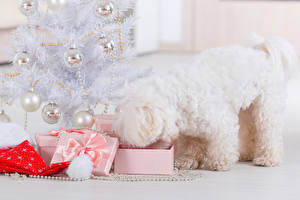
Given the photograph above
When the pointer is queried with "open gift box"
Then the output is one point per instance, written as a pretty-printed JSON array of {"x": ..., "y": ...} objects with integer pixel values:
[{"x": 153, "y": 160}]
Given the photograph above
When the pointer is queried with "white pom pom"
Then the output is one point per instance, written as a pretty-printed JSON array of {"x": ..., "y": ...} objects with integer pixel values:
[
  {"x": 11, "y": 135},
  {"x": 81, "y": 167}
]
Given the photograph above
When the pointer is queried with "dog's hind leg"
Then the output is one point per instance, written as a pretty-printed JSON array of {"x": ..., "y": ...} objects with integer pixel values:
[{"x": 268, "y": 112}]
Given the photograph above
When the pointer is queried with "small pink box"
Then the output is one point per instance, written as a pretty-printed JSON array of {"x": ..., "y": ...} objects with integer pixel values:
[
  {"x": 144, "y": 161},
  {"x": 105, "y": 147},
  {"x": 104, "y": 123}
]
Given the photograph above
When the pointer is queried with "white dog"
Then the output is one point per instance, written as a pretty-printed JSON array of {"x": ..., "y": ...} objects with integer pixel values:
[{"x": 226, "y": 105}]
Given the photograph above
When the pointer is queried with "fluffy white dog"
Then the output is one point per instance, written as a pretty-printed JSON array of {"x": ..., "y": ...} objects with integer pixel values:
[{"x": 226, "y": 105}]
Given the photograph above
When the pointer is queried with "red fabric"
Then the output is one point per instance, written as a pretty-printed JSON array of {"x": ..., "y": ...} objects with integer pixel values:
[{"x": 24, "y": 159}]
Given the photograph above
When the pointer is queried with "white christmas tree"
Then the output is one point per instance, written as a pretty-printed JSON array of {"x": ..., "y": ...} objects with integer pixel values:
[{"x": 70, "y": 57}]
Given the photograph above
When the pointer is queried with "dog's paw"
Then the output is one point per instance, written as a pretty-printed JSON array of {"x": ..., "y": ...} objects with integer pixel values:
[
  {"x": 218, "y": 165},
  {"x": 186, "y": 163},
  {"x": 267, "y": 161},
  {"x": 221, "y": 162},
  {"x": 268, "y": 158}
]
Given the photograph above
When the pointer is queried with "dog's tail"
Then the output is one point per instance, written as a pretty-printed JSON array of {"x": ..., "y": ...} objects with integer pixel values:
[{"x": 281, "y": 52}]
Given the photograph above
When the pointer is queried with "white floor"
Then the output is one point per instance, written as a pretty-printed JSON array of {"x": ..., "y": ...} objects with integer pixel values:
[{"x": 243, "y": 182}]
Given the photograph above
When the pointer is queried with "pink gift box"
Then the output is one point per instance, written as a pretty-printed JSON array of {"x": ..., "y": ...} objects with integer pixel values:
[
  {"x": 106, "y": 149},
  {"x": 104, "y": 123},
  {"x": 151, "y": 161}
]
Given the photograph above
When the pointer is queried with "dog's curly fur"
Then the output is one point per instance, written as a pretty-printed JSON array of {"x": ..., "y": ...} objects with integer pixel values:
[{"x": 226, "y": 105}]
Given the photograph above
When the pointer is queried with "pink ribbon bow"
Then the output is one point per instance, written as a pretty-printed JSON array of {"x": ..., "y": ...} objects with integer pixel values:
[{"x": 92, "y": 144}]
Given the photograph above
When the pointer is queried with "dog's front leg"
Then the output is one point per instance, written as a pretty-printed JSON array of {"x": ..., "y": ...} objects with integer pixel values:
[
  {"x": 190, "y": 151},
  {"x": 222, "y": 142}
]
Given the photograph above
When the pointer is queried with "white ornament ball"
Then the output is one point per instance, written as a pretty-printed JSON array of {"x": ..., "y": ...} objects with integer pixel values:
[
  {"x": 4, "y": 117},
  {"x": 28, "y": 7},
  {"x": 51, "y": 113},
  {"x": 83, "y": 119},
  {"x": 104, "y": 8},
  {"x": 30, "y": 101},
  {"x": 73, "y": 58},
  {"x": 22, "y": 59},
  {"x": 56, "y": 4}
]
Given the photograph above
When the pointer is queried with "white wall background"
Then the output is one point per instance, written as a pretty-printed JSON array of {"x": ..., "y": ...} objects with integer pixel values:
[
  {"x": 159, "y": 22},
  {"x": 147, "y": 27},
  {"x": 171, "y": 16}
]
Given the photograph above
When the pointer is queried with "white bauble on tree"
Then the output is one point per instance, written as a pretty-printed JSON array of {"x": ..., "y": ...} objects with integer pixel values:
[
  {"x": 28, "y": 7},
  {"x": 22, "y": 59},
  {"x": 73, "y": 57},
  {"x": 51, "y": 113},
  {"x": 56, "y": 4},
  {"x": 4, "y": 117},
  {"x": 30, "y": 101},
  {"x": 83, "y": 119}
]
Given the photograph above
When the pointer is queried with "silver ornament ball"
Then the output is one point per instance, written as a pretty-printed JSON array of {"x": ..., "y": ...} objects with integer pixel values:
[
  {"x": 102, "y": 39},
  {"x": 55, "y": 5},
  {"x": 109, "y": 46},
  {"x": 4, "y": 117},
  {"x": 73, "y": 58},
  {"x": 28, "y": 7},
  {"x": 83, "y": 119},
  {"x": 30, "y": 101},
  {"x": 51, "y": 113},
  {"x": 104, "y": 8},
  {"x": 22, "y": 59}
]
